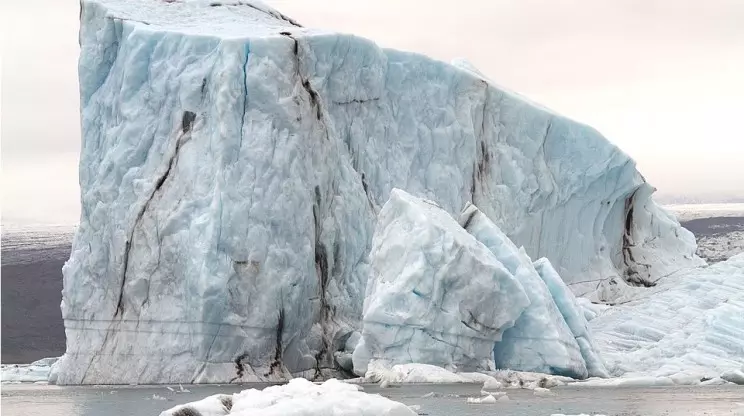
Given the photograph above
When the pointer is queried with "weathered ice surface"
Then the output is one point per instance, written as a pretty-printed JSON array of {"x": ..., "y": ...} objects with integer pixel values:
[
  {"x": 574, "y": 316},
  {"x": 435, "y": 295},
  {"x": 690, "y": 330},
  {"x": 540, "y": 340},
  {"x": 233, "y": 164}
]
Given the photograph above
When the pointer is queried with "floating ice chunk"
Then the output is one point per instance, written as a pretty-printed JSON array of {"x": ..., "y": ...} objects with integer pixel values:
[
  {"x": 380, "y": 371},
  {"x": 493, "y": 384},
  {"x": 691, "y": 323},
  {"x": 527, "y": 380},
  {"x": 580, "y": 414},
  {"x": 436, "y": 295},
  {"x": 37, "y": 371},
  {"x": 301, "y": 397},
  {"x": 573, "y": 314},
  {"x": 482, "y": 400},
  {"x": 216, "y": 405}
]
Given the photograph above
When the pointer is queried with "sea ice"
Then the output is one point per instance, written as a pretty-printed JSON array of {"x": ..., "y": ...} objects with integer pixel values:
[{"x": 540, "y": 340}]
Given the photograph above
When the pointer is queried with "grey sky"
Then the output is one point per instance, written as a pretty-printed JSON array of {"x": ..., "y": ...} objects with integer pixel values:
[{"x": 662, "y": 79}]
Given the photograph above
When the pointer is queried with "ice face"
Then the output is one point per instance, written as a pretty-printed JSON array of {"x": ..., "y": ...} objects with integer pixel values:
[
  {"x": 573, "y": 315},
  {"x": 540, "y": 340},
  {"x": 232, "y": 167},
  {"x": 435, "y": 295}
]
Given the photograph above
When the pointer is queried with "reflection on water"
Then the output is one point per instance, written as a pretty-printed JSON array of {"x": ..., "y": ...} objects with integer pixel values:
[{"x": 448, "y": 400}]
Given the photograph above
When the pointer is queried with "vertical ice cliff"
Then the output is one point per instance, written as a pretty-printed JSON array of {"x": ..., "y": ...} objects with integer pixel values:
[
  {"x": 435, "y": 294},
  {"x": 233, "y": 164},
  {"x": 544, "y": 339}
]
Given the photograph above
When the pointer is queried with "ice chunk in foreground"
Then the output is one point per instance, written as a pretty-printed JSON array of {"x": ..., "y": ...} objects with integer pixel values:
[
  {"x": 27, "y": 373},
  {"x": 690, "y": 330},
  {"x": 233, "y": 164},
  {"x": 436, "y": 295},
  {"x": 299, "y": 397},
  {"x": 573, "y": 314},
  {"x": 540, "y": 340},
  {"x": 489, "y": 399},
  {"x": 216, "y": 405}
]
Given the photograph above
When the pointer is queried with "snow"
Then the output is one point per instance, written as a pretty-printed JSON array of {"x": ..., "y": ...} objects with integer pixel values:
[
  {"x": 299, "y": 397},
  {"x": 38, "y": 371},
  {"x": 435, "y": 295},
  {"x": 233, "y": 165},
  {"x": 687, "y": 329},
  {"x": 540, "y": 340}
]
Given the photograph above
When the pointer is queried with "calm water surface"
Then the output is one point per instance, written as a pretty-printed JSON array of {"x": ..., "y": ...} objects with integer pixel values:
[{"x": 450, "y": 400}]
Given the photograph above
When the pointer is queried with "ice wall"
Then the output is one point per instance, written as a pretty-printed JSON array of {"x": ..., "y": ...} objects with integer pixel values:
[
  {"x": 233, "y": 164},
  {"x": 540, "y": 340},
  {"x": 435, "y": 294}
]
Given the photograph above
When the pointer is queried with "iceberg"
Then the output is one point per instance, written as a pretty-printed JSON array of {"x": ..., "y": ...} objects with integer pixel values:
[
  {"x": 234, "y": 162},
  {"x": 540, "y": 341},
  {"x": 299, "y": 397},
  {"x": 435, "y": 295}
]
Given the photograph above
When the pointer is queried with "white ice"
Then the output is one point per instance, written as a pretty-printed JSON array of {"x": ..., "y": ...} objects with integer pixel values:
[
  {"x": 489, "y": 399},
  {"x": 38, "y": 371},
  {"x": 382, "y": 372},
  {"x": 233, "y": 165},
  {"x": 687, "y": 329},
  {"x": 575, "y": 318},
  {"x": 299, "y": 397},
  {"x": 435, "y": 294},
  {"x": 540, "y": 341}
]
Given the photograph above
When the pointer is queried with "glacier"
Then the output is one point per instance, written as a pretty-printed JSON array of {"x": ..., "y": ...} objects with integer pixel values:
[
  {"x": 233, "y": 165},
  {"x": 435, "y": 294}
]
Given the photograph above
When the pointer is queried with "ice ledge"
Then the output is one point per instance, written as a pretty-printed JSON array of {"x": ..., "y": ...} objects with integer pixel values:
[{"x": 214, "y": 18}]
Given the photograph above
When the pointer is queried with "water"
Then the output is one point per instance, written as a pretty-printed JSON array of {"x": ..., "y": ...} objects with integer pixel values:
[{"x": 449, "y": 400}]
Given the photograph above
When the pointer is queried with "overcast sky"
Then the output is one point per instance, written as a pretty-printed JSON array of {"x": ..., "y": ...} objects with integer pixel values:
[{"x": 663, "y": 79}]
